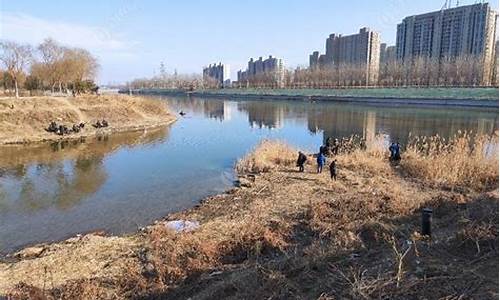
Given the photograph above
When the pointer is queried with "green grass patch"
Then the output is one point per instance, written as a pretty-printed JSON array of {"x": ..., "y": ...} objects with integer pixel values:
[{"x": 401, "y": 93}]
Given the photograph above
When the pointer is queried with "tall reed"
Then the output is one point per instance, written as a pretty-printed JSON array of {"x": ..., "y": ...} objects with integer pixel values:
[{"x": 465, "y": 159}]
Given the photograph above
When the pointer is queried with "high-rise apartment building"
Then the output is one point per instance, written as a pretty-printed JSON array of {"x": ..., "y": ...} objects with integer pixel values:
[
  {"x": 219, "y": 73},
  {"x": 452, "y": 32},
  {"x": 387, "y": 53},
  {"x": 361, "y": 49},
  {"x": 314, "y": 60},
  {"x": 257, "y": 69}
]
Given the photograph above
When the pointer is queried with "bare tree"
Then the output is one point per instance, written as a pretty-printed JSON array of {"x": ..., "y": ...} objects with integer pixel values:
[{"x": 15, "y": 58}]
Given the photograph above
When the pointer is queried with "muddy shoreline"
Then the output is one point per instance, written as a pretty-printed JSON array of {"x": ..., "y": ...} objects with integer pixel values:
[
  {"x": 280, "y": 221},
  {"x": 96, "y": 133},
  {"x": 24, "y": 120}
]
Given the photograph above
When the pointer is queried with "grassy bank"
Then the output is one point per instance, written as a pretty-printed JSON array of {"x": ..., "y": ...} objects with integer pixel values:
[
  {"x": 401, "y": 93},
  {"x": 290, "y": 235},
  {"x": 25, "y": 120}
]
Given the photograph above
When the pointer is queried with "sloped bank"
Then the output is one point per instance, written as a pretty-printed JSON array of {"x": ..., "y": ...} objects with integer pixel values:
[
  {"x": 25, "y": 120},
  {"x": 284, "y": 234}
]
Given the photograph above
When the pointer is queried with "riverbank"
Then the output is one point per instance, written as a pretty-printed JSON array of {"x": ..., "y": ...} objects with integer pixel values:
[
  {"x": 284, "y": 234},
  {"x": 25, "y": 120},
  {"x": 458, "y": 97}
]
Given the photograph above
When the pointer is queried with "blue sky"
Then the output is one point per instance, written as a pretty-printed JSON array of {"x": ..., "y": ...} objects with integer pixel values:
[{"x": 132, "y": 37}]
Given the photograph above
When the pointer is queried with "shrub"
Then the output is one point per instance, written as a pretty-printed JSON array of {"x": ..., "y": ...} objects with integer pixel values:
[{"x": 266, "y": 156}]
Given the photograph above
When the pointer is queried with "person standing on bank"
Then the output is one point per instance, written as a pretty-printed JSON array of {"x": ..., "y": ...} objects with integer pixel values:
[
  {"x": 301, "y": 160},
  {"x": 333, "y": 170},
  {"x": 392, "y": 149},
  {"x": 397, "y": 154},
  {"x": 321, "y": 160}
]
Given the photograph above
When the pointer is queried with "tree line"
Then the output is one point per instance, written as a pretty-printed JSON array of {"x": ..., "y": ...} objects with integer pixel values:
[
  {"x": 173, "y": 81},
  {"x": 420, "y": 71},
  {"x": 49, "y": 66}
]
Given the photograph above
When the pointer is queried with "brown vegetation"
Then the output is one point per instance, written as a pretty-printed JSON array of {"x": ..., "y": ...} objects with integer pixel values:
[
  {"x": 25, "y": 120},
  {"x": 266, "y": 156},
  {"x": 51, "y": 65},
  {"x": 291, "y": 235},
  {"x": 465, "y": 160}
]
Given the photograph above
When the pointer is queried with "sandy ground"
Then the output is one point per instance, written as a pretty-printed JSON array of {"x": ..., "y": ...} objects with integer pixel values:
[
  {"x": 289, "y": 235},
  {"x": 24, "y": 120}
]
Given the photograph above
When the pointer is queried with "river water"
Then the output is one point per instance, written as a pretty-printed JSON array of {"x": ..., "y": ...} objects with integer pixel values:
[{"x": 117, "y": 183}]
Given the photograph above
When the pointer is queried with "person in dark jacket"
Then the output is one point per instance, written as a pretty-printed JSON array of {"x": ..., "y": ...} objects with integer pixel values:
[
  {"x": 397, "y": 154},
  {"x": 392, "y": 149},
  {"x": 395, "y": 149},
  {"x": 333, "y": 170},
  {"x": 301, "y": 160},
  {"x": 335, "y": 147},
  {"x": 323, "y": 149},
  {"x": 321, "y": 160}
]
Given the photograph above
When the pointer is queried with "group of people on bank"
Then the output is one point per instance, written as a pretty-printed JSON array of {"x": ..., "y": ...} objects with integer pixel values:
[
  {"x": 321, "y": 161},
  {"x": 76, "y": 128},
  {"x": 334, "y": 149}
]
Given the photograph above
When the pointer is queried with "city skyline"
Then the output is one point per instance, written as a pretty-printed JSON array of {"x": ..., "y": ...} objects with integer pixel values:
[{"x": 131, "y": 38}]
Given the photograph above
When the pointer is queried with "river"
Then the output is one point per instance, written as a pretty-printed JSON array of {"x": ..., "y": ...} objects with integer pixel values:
[{"x": 118, "y": 183}]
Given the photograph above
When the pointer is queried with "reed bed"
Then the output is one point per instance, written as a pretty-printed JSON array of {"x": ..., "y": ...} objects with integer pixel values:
[
  {"x": 267, "y": 155},
  {"x": 463, "y": 160}
]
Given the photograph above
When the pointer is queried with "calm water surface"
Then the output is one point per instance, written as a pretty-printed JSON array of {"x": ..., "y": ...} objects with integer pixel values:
[{"x": 117, "y": 183}]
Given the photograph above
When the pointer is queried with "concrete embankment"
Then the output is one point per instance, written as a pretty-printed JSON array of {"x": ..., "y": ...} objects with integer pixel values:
[{"x": 365, "y": 100}]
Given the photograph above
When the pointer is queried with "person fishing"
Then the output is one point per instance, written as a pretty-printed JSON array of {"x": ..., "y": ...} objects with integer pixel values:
[
  {"x": 335, "y": 146},
  {"x": 392, "y": 149},
  {"x": 395, "y": 149},
  {"x": 321, "y": 160},
  {"x": 333, "y": 170},
  {"x": 301, "y": 160},
  {"x": 397, "y": 154}
]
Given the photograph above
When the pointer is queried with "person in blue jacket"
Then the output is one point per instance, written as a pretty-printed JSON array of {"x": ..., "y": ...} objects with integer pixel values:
[{"x": 321, "y": 160}]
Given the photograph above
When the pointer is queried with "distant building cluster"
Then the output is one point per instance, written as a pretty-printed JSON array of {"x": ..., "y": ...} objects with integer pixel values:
[
  {"x": 459, "y": 31},
  {"x": 217, "y": 75},
  {"x": 361, "y": 58},
  {"x": 361, "y": 49},
  {"x": 271, "y": 69}
]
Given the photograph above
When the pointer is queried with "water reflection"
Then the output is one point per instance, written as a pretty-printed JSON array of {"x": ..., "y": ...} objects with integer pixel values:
[
  {"x": 218, "y": 110},
  {"x": 119, "y": 182},
  {"x": 344, "y": 120},
  {"x": 63, "y": 173}
]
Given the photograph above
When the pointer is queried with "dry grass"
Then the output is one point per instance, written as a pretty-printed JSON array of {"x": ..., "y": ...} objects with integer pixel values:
[
  {"x": 291, "y": 235},
  {"x": 266, "y": 156},
  {"x": 25, "y": 120},
  {"x": 75, "y": 259},
  {"x": 464, "y": 160}
]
